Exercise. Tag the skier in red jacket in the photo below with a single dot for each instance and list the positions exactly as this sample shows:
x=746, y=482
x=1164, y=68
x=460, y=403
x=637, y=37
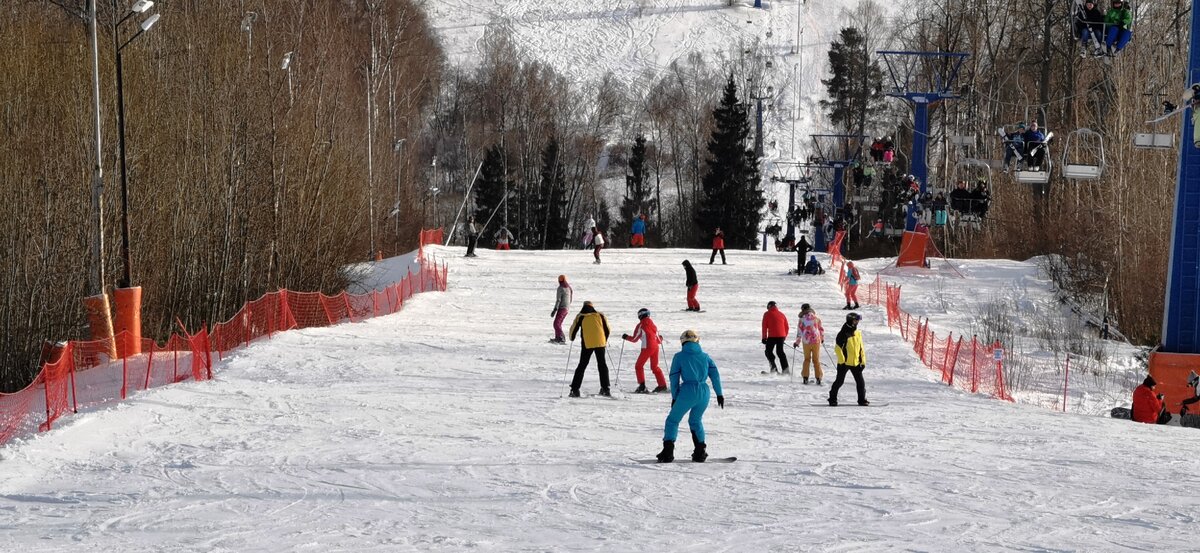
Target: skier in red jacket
x=646, y=332
x=718, y=246
x=1148, y=406
x=774, y=333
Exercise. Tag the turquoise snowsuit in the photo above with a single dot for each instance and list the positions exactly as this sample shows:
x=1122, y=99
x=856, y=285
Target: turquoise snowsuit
x=690, y=369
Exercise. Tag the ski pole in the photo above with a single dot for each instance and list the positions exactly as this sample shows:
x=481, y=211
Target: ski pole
x=567, y=368
x=792, y=373
x=620, y=359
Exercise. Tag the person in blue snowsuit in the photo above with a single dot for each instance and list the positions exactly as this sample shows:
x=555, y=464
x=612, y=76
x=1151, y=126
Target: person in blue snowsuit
x=691, y=369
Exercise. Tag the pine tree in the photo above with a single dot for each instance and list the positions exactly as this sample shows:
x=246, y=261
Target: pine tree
x=550, y=214
x=731, y=195
x=855, y=85
x=637, y=190
x=490, y=189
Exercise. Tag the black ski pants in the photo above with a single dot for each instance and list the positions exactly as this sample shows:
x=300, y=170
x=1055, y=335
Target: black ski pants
x=775, y=347
x=601, y=362
x=713, y=257
x=859, y=385
x=472, y=239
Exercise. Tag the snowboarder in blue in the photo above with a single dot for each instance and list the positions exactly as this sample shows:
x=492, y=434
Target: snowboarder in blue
x=691, y=368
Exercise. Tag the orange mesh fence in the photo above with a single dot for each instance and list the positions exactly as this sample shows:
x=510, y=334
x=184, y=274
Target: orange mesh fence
x=970, y=366
x=82, y=373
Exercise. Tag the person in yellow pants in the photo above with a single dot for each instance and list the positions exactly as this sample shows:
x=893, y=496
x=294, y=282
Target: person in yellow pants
x=811, y=335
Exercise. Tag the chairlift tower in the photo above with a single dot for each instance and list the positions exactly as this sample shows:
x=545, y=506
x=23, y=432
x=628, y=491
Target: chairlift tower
x=922, y=79
x=1179, y=352
x=837, y=152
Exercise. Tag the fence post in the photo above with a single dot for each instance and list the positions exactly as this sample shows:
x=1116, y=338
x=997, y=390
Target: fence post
x=74, y=398
x=246, y=323
x=149, y=367
x=957, y=348
x=974, y=364
x=1066, y=379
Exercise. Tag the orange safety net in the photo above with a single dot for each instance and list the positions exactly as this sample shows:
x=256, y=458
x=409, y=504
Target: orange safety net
x=913, y=246
x=84, y=373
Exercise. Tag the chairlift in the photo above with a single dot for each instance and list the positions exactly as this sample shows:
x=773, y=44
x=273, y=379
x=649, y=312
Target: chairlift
x=1034, y=177
x=1083, y=155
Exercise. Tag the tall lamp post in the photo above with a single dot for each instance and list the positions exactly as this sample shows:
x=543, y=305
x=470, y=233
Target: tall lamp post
x=128, y=298
x=98, y=313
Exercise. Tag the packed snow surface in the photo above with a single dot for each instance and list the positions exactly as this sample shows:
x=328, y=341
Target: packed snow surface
x=445, y=428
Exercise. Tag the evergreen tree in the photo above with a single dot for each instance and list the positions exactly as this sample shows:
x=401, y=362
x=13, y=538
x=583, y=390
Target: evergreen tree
x=550, y=214
x=855, y=84
x=731, y=196
x=490, y=189
x=637, y=190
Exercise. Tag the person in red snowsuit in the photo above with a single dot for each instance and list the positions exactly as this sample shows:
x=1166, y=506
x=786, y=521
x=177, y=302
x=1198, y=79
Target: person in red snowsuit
x=646, y=332
x=1148, y=406
x=774, y=333
x=718, y=246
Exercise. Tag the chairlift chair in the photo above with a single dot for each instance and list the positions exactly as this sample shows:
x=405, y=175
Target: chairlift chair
x=1083, y=155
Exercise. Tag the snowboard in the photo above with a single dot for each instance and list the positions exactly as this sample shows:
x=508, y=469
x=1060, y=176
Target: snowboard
x=686, y=460
x=1121, y=413
x=873, y=404
x=700, y=311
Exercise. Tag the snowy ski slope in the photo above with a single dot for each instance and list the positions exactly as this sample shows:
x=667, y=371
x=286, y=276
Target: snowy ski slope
x=443, y=428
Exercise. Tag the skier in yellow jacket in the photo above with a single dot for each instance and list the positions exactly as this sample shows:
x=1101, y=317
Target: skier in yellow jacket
x=594, y=327
x=852, y=358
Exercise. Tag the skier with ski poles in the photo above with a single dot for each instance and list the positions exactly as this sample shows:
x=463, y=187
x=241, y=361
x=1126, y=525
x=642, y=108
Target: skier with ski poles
x=811, y=334
x=646, y=332
x=691, y=369
x=594, y=328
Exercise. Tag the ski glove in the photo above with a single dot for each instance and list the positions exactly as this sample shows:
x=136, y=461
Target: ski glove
x=721, y=401
x=764, y=341
x=625, y=336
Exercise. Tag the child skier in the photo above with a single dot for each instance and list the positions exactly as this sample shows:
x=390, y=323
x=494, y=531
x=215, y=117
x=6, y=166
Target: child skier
x=852, y=277
x=646, y=332
x=562, y=303
x=637, y=238
x=811, y=334
x=595, y=342
x=597, y=243
x=691, y=368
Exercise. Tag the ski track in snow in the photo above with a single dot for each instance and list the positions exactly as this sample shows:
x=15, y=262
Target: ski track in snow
x=443, y=428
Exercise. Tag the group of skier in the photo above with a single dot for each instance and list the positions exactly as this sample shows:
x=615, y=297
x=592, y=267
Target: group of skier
x=691, y=368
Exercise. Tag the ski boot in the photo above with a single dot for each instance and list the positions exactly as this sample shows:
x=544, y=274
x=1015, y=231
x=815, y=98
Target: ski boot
x=855, y=305
x=660, y=389
x=847, y=306
x=833, y=402
x=699, y=454
x=818, y=382
x=783, y=371
x=864, y=403
x=604, y=392
x=668, y=452
x=773, y=369
x=641, y=389
x=574, y=392
x=806, y=380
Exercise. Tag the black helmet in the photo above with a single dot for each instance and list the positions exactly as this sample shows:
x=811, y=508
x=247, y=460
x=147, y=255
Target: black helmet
x=643, y=313
x=853, y=317
x=770, y=304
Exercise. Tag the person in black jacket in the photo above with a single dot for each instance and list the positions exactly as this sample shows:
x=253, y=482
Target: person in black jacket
x=1089, y=27
x=802, y=250
x=692, y=286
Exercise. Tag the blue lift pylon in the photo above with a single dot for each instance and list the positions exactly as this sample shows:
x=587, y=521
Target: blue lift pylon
x=1179, y=353
x=922, y=79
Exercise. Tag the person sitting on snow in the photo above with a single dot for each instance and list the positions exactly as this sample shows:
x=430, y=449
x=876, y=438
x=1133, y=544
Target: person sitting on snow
x=646, y=332
x=1193, y=382
x=1148, y=406
x=813, y=267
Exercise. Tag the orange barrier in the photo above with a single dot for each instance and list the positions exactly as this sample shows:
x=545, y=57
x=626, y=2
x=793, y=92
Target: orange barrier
x=913, y=246
x=87, y=373
x=100, y=319
x=128, y=322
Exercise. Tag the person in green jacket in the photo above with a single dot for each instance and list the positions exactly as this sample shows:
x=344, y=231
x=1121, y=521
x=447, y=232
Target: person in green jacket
x=1118, y=25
